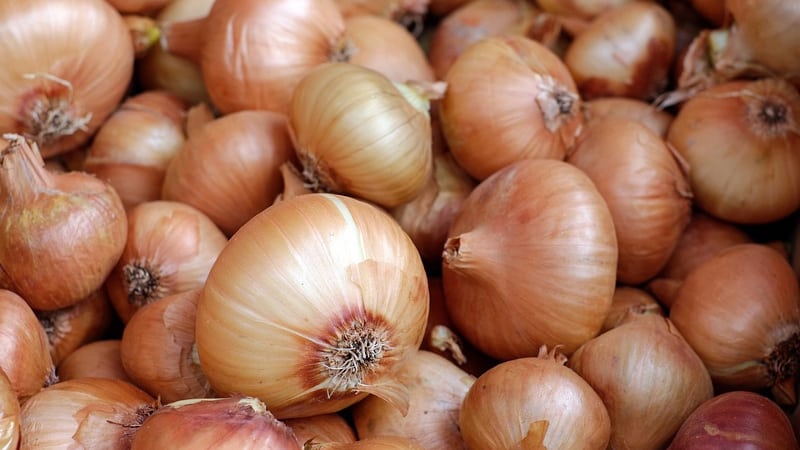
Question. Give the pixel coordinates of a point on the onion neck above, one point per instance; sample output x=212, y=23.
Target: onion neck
x=783, y=365
x=769, y=105
x=142, y=282
x=22, y=172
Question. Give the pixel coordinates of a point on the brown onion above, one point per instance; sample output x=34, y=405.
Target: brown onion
x=372, y=443
x=132, y=149
x=587, y=9
x=322, y=428
x=76, y=325
x=68, y=66
x=408, y=13
x=740, y=311
x=97, y=359
x=235, y=423
x=508, y=98
x=645, y=188
x=84, y=413
x=158, y=349
x=436, y=389
x=9, y=415
x=736, y=420
x=229, y=167
x=648, y=377
x=171, y=247
x=252, y=53
x=531, y=260
x=138, y=6
x=741, y=141
x=599, y=109
x=629, y=302
x=332, y=288
x=24, y=354
x=702, y=238
x=626, y=51
x=62, y=232
x=512, y=405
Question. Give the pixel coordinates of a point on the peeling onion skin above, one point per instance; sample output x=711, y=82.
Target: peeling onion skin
x=737, y=420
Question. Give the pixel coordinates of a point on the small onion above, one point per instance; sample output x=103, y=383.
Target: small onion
x=235, y=423
x=322, y=428
x=740, y=311
x=9, y=415
x=436, y=389
x=530, y=260
x=599, y=109
x=314, y=303
x=649, y=378
x=741, y=141
x=629, y=302
x=508, y=98
x=737, y=420
x=97, y=359
x=534, y=403
x=357, y=132
x=626, y=51
x=645, y=188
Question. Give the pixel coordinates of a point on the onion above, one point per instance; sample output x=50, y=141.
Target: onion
x=513, y=405
x=138, y=6
x=531, y=260
x=713, y=10
x=62, y=233
x=702, y=238
x=626, y=51
x=587, y=9
x=508, y=98
x=740, y=139
x=439, y=8
x=171, y=247
x=357, y=132
x=649, y=378
x=322, y=428
x=97, y=359
x=229, y=167
x=9, y=414
x=132, y=149
x=24, y=354
x=408, y=13
x=334, y=291
x=629, y=302
x=84, y=413
x=373, y=443
x=160, y=70
x=224, y=423
x=436, y=389
x=645, y=188
x=252, y=53
x=597, y=110
x=736, y=420
x=740, y=311
x=68, y=65
x=158, y=350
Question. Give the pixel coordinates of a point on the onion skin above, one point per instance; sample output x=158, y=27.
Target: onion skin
x=544, y=222
x=78, y=58
x=322, y=428
x=736, y=420
x=234, y=423
x=650, y=362
x=9, y=415
x=586, y=9
x=373, y=443
x=508, y=98
x=740, y=312
x=626, y=51
x=740, y=139
x=599, y=109
x=645, y=189
x=628, y=303
x=97, y=359
x=511, y=406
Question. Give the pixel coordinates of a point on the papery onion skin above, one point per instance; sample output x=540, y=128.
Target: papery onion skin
x=512, y=406
x=72, y=63
x=437, y=387
x=587, y=9
x=508, y=98
x=357, y=132
x=645, y=188
x=229, y=167
x=736, y=420
x=9, y=415
x=626, y=51
x=601, y=108
x=531, y=260
x=740, y=311
x=741, y=141
x=629, y=302
x=372, y=443
x=97, y=359
x=649, y=378
x=84, y=413
x=310, y=278
x=235, y=423
x=322, y=428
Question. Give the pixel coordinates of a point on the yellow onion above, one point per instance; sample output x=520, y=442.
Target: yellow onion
x=599, y=109
x=534, y=403
x=97, y=359
x=649, y=378
x=630, y=302
x=531, y=259
x=68, y=65
x=314, y=303
x=235, y=423
x=372, y=443
x=587, y=9
x=9, y=415
x=322, y=428
x=436, y=389
x=357, y=132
